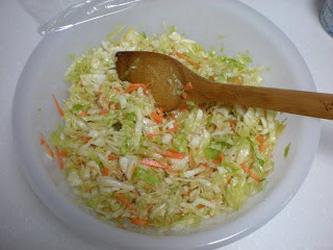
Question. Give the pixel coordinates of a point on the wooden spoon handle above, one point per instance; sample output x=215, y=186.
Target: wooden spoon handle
x=290, y=101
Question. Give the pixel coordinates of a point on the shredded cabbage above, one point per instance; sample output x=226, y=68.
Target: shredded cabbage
x=199, y=162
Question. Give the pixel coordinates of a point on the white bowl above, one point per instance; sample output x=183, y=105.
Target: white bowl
x=244, y=30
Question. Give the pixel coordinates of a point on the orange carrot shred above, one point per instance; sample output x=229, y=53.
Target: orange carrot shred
x=104, y=111
x=250, y=172
x=138, y=221
x=232, y=124
x=262, y=147
x=124, y=200
x=83, y=113
x=157, y=116
x=173, y=154
x=85, y=138
x=155, y=164
x=113, y=157
x=204, y=165
x=59, y=158
x=217, y=161
x=62, y=153
x=58, y=107
x=134, y=86
x=105, y=171
x=261, y=139
x=41, y=139
x=46, y=146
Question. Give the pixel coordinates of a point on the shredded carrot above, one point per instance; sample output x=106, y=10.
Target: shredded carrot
x=83, y=113
x=105, y=171
x=200, y=206
x=123, y=199
x=138, y=221
x=62, y=153
x=232, y=124
x=188, y=86
x=113, y=157
x=155, y=164
x=173, y=154
x=45, y=145
x=134, y=86
x=103, y=111
x=217, y=161
x=188, y=59
x=229, y=178
x=157, y=116
x=262, y=147
x=261, y=139
x=250, y=172
x=58, y=107
x=59, y=158
x=85, y=138
x=204, y=165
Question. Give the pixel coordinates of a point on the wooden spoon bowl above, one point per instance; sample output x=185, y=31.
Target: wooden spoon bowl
x=167, y=77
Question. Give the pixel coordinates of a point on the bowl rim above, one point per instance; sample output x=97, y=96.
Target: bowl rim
x=76, y=219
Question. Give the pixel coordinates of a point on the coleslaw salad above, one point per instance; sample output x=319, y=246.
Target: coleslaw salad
x=133, y=164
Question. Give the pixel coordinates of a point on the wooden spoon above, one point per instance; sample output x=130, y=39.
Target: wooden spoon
x=165, y=76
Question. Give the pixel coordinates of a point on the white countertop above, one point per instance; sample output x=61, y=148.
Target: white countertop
x=306, y=222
